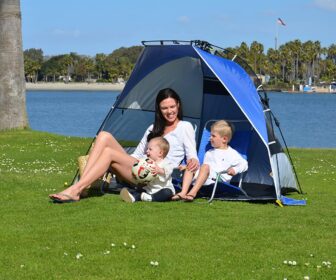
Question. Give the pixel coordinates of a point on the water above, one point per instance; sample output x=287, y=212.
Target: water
x=73, y=113
x=306, y=120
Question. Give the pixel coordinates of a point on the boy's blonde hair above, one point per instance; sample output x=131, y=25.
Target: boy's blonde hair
x=223, y=128
x=163, y=144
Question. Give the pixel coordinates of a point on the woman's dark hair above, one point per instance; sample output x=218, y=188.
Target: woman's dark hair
x=160, y=121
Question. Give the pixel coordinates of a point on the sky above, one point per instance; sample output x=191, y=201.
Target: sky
x=101, y=26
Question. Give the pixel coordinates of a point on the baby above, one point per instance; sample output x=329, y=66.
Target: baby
x=161, y=188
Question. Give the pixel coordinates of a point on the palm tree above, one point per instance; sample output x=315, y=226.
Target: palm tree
x=296, y=50
x=243, y=51
x=331, y=53
x=12, y=84
x=285, y=61
x=273, y=63
x=256, y=56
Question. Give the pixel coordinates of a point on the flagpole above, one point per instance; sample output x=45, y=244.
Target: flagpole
x=278, y=22
x=276, y=34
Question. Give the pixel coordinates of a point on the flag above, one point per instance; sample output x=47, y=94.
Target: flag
x=280, y=21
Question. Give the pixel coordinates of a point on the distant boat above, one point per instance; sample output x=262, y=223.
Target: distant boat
x=308, y=88
x=332, y=87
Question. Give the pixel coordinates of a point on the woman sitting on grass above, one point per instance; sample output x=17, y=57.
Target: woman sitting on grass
x=108, y=152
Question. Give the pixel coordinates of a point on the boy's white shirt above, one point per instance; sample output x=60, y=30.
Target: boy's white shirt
x=162, y=180
x=222, y=159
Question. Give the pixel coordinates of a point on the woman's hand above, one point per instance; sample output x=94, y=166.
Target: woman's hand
x=182, y=167
x=192, y=164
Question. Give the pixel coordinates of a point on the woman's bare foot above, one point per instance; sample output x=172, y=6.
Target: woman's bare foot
x=66, y=196
x=62, y=198
x=189, y=197
x=178, y=196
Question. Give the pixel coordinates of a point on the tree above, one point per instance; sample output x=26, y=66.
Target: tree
x=12, y=84
x=329, y=72
x=243, y=51
x=273, y=64
x=51, y=68
x=33, y=59
x=101, y=67
x=285, y=56
x=331, y=53
x=84, y=68
x=256, y=56
x=295, y=51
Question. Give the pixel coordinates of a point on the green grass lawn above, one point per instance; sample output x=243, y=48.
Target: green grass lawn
x=222, y=240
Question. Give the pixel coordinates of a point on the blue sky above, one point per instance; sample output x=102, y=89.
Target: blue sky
x=101, y=26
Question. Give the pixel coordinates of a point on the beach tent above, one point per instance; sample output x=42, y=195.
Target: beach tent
x=212, y=85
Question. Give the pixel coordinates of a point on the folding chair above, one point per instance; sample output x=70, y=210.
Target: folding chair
x=240, y=142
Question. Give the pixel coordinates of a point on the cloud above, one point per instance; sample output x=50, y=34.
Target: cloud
x=329, y=5
x=67, y=33
x=183, y=19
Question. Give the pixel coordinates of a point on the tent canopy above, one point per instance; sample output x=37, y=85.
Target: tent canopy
x=210, y=87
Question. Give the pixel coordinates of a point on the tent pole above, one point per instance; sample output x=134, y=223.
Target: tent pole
x=277, y=123
x=276, y=157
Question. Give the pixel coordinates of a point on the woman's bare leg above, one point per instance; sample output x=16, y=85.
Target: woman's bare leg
x=103, y=140
x=119, y=160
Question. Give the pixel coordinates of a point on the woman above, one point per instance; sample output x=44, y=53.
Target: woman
x=108, y=152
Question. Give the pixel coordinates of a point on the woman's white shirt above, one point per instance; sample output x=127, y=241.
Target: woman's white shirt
x=181, y=141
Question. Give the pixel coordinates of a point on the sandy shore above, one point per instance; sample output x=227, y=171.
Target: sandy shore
x=75, y=86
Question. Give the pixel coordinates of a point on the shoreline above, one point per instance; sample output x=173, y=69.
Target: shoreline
x=73, y=86
x=76, y=86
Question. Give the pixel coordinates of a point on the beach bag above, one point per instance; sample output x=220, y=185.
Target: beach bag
x=97, y=187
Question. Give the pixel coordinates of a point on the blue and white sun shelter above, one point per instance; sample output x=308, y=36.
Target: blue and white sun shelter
x=211, y=87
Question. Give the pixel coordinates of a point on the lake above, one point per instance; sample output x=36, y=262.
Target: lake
x=306, y=120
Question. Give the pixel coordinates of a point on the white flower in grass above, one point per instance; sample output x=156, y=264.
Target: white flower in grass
x=294, y=263
x=22, y=266
x=78, y=256
x=106, y=252
x=311, y=255
x=285, y=262
x=125, y=244
x=156, y=263
x=290, y=262
x=306, y=278
x=65, y=253
x=112, y=245
x=152, y=262
x=307, y=264
x=324, y=263
x=133, y=246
